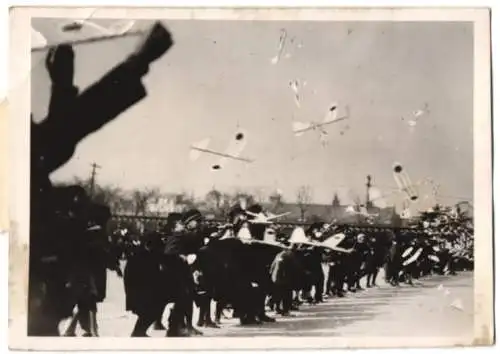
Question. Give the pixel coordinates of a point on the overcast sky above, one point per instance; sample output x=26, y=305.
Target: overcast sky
x=219, y=76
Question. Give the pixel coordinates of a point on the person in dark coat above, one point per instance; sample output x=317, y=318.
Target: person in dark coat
x=96, y=258
x=315, y=232
x=376, y=257
x=284, y=270
x=185, y=241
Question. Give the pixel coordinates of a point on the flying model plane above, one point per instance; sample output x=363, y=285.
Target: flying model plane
x=299, y=128
x=262, y=218
x=232, y=152
x=117, y=28
x=76, y=32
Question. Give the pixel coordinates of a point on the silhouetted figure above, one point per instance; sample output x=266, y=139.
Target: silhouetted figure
x=58, y=221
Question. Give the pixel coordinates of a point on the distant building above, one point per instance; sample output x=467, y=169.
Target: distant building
x=328, y=212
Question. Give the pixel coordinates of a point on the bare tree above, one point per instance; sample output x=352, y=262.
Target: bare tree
x=336, y=200
x=184, y=200
x=218, y=202
x=259, y=196
x=304, y=198
x=248, y=198
x=141, y=199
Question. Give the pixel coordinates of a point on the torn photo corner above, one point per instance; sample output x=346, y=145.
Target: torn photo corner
x=144, y=217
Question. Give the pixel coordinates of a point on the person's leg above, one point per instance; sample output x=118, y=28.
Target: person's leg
x=71, y=329
x=176, y=322
x=142, y=324
x=94, y=328
x=319, y=286
x=189, y=319
x=158, y=323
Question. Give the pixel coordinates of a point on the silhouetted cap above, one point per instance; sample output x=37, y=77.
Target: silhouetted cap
x=255, y=209
x=192, y=215
x=172, y=219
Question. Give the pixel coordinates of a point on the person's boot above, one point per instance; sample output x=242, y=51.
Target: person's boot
x=140, y=328
x=194, y=332
x=247, y=320
x=211, y=324
x=177, y=332
x=94, y=332
x=265, y=318
x=71, y=330
x=158, y=325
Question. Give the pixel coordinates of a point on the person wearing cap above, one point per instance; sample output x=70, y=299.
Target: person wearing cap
x=154, y=277
x=394, y=261
x=358, y=261
x=315, y=232
x=185, y=240
x=257, y=229
x=376, y=258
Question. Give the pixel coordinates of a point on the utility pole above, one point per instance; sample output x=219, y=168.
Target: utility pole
x=92, y=178
x=368, y=186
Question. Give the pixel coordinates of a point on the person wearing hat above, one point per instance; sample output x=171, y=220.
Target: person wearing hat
x=236, y=217
x=257, y=229
x=185, y=240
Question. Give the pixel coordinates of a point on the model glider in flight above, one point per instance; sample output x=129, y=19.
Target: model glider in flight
x=404, y=183
x=232, y=152
x=299, y=128
x=262, y=218
x=117, y=28
x=76, y=32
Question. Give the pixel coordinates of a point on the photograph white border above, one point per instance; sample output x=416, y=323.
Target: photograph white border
x=19, y=113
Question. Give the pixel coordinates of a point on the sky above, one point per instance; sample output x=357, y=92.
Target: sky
x=218, y=78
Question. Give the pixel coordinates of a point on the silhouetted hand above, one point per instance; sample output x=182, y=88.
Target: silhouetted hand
x=60, y=65
x=156, y=43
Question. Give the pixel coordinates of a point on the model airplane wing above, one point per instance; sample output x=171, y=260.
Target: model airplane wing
x=121, y=27
x=334, y=240
x=332, y=113
x=37, y=39
x=331, y=121
x=234, y=150
x=116, y=28
x=255, y=215
x=272, y=216
x=198, y=148
x=300, y=128
x=57, y=32
x=413, y=258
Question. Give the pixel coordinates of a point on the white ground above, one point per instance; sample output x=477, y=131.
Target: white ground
x=435, y=306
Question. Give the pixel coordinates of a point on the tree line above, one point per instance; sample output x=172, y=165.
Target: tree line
x=154, y=202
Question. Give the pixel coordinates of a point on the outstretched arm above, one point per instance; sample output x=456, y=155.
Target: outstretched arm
x=72, y=120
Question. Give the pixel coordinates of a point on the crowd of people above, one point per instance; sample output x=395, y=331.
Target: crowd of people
x=243, y=264
x=254, y=267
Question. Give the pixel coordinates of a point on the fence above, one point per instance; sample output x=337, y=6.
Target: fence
x=141, y=223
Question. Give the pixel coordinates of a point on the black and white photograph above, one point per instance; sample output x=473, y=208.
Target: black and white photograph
x=224, y=176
